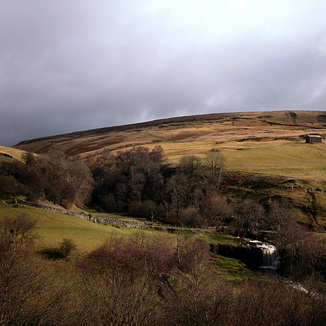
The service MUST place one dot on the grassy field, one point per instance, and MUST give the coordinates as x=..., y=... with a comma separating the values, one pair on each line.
x=233, y=269
x=296, y=160
x=280, y=158
x=53, y=227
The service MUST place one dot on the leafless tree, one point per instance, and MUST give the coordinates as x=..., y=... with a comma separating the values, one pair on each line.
x=215, y=162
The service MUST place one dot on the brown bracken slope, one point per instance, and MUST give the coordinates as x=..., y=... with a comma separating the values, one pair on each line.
x=207, y=129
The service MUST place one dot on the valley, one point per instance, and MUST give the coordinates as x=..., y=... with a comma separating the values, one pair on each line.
x=185, y=194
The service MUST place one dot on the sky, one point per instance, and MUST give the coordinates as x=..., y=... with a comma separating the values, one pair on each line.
x=76, y=65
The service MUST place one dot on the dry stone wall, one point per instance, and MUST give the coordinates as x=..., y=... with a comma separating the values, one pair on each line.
x=90, y=217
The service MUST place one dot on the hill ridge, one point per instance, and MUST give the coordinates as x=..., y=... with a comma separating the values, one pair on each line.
x=136, y=125
x=203, y=128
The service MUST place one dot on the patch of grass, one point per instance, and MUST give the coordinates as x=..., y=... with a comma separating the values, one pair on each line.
x=291, y=160
x=233, y=269
x=13, y=152
x=215, y=238
x=229, y=268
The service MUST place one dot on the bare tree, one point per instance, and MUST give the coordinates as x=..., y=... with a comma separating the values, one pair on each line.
x=249, y=216
x=203, y=298
x=190, y=217
x=190, y=165
x=215, y=162
x=279, y=214
x=79, y=175
x=216, y=212
x=178, y=190
x=29, y=293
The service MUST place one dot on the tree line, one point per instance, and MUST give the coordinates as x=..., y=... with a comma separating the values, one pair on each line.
x=53, y=177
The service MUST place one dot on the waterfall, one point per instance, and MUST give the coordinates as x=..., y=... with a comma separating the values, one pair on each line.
x=269, y=256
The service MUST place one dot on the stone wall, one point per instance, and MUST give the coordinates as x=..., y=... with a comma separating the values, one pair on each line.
x=90, y=217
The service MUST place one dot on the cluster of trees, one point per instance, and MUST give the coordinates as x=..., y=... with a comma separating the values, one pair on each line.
x=53, y=177
x=137, y=281
x=140, y=183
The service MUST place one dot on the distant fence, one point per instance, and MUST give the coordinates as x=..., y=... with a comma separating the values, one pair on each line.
x=90, y=217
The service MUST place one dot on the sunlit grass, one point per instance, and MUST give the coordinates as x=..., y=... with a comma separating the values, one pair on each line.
x=233, y=269
x=298, y=160
x=215, y=238
x=13, y=152
x=52, y=227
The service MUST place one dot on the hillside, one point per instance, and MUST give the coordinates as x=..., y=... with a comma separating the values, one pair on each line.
x=170, y=218
x=200, y=133
x=266, y=153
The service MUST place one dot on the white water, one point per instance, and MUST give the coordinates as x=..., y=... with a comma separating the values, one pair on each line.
x=270, y=257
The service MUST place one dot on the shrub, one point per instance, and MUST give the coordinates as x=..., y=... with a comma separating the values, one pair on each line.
x=8, y=186
x=66, y=247
x=62, y=251
x=190, y=217
x=269, y=303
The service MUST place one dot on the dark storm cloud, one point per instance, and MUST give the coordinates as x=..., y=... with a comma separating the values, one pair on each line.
x=76, y=65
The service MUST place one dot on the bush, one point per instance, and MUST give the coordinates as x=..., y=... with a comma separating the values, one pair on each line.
x=190, y=217
x=63, y=251
x=66, y=247
x=216, y=212
x=8, y=187
x=61, y=192
x=29, y=293
x=302, y=252
x=269, y=303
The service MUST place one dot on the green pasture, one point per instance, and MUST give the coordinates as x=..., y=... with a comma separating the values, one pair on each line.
x=216, y=238
x=295, y=160
x=233, y=269
x=289, y=159
x=52, y=227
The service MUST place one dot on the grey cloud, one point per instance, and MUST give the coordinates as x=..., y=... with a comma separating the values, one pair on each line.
x=75, y=65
